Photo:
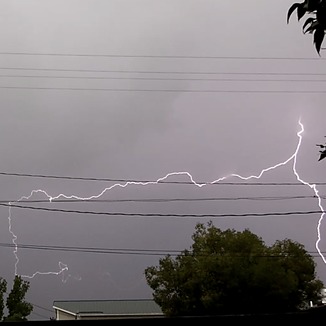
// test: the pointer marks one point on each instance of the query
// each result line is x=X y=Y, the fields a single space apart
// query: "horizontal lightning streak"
x=292 y=158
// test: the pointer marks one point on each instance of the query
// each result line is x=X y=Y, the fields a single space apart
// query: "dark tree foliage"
x=322 y=151
x=234 y=272
x=18 y=308
x=315 y=24
x=3 y=290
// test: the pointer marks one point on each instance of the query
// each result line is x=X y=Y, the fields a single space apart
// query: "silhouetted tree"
x=3 y=290
x=234 y=272
x=18 y=308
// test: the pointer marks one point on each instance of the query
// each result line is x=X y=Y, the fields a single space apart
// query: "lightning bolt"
x=291 y=160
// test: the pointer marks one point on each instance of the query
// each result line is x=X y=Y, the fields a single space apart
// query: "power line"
x=161 y=200
x=128 y=251
x=47 y=176
x=41 y=307
x=70 y=177
x=138 y=90
x=119 y=251
x=167 y=72
x=165 y=79
x=166 y=90
x=152 y=56
x=164 y=215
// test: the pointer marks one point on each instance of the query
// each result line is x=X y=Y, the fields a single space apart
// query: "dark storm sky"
x=135 y=90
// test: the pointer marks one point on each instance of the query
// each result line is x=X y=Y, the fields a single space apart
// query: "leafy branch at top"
x=315 y=24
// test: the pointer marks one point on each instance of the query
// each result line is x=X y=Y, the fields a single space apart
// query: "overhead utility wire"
x=153 y=56
x=108 y=89
x=164 y=79
x=161 y=200
x=167 y=72
x=165 y=90
x=148 y=252
x=163 y=215
x=48 y=176
x=40 y=307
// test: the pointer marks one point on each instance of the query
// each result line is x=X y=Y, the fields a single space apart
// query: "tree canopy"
x=18 y=308
x=315 y=24
x=234 y=272
x=3 y=290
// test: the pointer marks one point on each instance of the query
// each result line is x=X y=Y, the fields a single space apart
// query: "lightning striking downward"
x=291 y=160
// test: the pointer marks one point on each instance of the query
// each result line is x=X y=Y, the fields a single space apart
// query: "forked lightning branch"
x=292 y=160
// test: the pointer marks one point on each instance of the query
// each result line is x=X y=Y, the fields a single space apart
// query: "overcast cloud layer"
x=129 y=121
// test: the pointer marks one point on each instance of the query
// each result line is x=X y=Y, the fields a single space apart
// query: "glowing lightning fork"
x=292 y=158
x=310 y=185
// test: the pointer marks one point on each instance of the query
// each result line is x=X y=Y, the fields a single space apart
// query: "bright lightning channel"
x=64 y=268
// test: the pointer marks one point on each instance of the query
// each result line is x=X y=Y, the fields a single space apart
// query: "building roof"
x=109 y=307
